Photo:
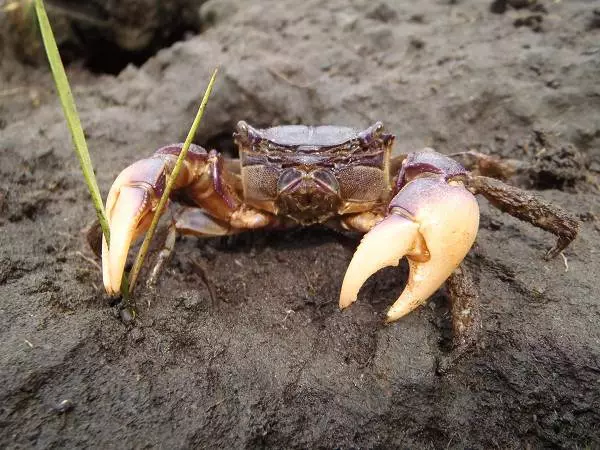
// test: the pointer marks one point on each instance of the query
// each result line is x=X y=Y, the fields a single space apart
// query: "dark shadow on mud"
x=379 y=291
x=105 y=36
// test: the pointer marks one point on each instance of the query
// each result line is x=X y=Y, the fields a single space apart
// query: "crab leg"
x=134 y=197
x=432 y=220
x=190 y=221
x=530 y=208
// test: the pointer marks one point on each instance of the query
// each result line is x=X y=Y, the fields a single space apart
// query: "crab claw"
x=433 y=223
x=130 y=208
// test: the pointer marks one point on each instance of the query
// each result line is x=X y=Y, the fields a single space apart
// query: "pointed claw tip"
x=113 y=286
x=348 y=295
x=129 y=217
x=381 y=247
x=394 y=315
x=345 y=302
x=112 y=293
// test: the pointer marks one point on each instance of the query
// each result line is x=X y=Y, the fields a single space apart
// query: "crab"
x=420 y=205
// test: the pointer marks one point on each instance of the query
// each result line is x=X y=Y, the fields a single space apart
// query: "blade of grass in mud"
x=70 y=111
x=139 y=260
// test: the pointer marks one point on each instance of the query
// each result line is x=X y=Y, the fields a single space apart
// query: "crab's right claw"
x=431 y=222
x=130 y=207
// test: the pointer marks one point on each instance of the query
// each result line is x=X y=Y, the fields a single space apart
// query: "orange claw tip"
x=406 y=304
x=127 y=218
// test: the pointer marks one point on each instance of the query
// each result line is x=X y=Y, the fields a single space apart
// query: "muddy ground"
x=273 y=362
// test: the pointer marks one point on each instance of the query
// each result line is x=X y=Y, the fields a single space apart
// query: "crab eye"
x=245 y=134
x=288 y=179
x=367 y=136
x=242 y=128
x=326 y=180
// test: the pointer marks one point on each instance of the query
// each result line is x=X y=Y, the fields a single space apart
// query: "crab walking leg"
x=189 y=221
x=135 y=194
x=163 y=255
x=529 y=208
x=490 y=166
x=466 y=318
x=464 y=305
x=430 y=221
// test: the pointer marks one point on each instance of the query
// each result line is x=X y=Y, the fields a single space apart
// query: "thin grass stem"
x=139 y=260
x=70 y=110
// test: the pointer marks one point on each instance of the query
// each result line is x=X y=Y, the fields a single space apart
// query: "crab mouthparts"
x=308 y=196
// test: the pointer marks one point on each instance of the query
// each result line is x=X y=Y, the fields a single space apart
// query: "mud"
x=272 y=362
x=101 y=34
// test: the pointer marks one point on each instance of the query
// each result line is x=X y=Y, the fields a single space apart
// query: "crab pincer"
x=202 y=182
x=130 y=205
x=135 y=194
x=432 y=220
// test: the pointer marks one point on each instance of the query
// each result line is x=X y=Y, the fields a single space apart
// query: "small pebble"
x=416 y=43
x=382 y=13
x=64 y=406
x=417 y=18
x=127 y=315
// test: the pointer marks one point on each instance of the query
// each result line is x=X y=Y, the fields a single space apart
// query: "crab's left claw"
x=433 y=223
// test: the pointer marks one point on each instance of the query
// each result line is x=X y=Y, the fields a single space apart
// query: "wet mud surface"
x=271 y=361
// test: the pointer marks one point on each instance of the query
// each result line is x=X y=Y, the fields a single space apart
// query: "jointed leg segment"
x=465 y=315
x=193 y=221
x=528 y=207
x=464 y=307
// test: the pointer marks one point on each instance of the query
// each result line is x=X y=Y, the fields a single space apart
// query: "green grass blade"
x=137 y=265
x=70 y=110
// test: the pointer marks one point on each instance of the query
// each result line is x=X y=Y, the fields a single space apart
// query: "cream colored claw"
x=434 y=229
x=129 y=208
x=127 y=220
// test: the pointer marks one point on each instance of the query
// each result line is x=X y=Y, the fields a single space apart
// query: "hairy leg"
x=528 y=207
x=192 y=221
x=465 y=313
x=187 y=221
x=490 y=166
x=464 y=305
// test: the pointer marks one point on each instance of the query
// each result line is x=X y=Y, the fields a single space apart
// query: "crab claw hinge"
x=431 y=221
